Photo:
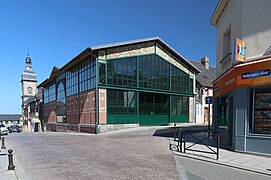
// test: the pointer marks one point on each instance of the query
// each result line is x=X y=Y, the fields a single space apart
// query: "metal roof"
x=10 y=117
x=90 y=50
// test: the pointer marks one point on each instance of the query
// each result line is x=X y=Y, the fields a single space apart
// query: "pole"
x=3 y=143
x=209 y=123
x=218 y=140
x=174 y=135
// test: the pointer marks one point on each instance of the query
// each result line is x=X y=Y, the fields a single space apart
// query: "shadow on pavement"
x=193 y=137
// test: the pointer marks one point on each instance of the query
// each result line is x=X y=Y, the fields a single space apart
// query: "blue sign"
x=255 y=74
x=208 y=100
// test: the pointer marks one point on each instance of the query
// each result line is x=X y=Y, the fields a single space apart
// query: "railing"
x=211 y=135
x=226 y=58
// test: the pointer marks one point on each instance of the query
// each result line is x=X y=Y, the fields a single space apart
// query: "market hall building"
x=140 y=82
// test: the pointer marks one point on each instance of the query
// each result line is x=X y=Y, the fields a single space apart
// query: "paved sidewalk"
x=244 y=161
x=5 y=174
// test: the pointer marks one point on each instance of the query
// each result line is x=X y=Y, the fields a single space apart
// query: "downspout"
x=194 y=99
x=97 y=96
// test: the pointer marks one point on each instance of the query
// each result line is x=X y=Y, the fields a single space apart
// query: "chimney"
x=205 y=62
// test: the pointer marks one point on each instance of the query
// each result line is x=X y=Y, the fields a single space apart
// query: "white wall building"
x=248 y=20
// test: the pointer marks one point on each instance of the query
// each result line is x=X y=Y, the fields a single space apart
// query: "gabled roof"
x=93 y=49
x=54 y=72
x=206 y=77
x=220 y=7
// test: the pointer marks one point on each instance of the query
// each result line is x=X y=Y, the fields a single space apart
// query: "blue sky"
x=55 y=31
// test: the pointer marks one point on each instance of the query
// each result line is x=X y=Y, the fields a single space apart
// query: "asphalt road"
x=74 y=156
x=199 y=170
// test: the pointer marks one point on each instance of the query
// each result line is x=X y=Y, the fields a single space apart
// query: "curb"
x=221 y=163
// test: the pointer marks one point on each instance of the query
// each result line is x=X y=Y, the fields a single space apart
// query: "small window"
x=227 y=42
x=30 y=90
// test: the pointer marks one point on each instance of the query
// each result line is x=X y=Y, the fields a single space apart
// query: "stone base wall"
x=90 y=128
x=64 y=127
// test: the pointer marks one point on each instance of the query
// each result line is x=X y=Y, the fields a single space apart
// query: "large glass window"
x=122 y=72
x=50 y=94
x=87 y=74
x=61 y=102
x=72 y=81
x=260 y=122
x=81 y=77
x=154 y=72
x=179 y=105
x=121 y=102
x=146 y=72
x=179 y=81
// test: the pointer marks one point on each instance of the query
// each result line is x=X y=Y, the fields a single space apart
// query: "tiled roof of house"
x=206 y=76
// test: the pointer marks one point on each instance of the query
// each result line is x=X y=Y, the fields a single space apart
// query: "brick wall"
x=88 y=107
x=50 y=112
x=72 y=109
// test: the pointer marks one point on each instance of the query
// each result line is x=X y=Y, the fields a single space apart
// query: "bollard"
x=218 y=141
x=10 y=160
x=174 y=135
x=3 y=143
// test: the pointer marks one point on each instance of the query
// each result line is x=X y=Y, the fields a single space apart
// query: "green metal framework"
x=145 y=89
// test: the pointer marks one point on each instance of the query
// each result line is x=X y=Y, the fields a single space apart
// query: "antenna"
x=27 y=51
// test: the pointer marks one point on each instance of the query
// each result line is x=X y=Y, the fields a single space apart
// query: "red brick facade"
x=72 y=109
x=81 y=113
x=87 y=107
x=50 y=112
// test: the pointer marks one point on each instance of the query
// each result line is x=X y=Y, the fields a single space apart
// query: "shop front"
x=242 y=106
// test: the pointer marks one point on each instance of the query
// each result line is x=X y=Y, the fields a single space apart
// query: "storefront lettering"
x=232 y=80
x=256 y=74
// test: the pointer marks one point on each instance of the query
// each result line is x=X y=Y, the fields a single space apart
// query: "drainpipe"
x=97 y=96
x=194 y=99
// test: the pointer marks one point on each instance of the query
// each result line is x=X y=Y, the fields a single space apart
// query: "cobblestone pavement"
x=129 y=155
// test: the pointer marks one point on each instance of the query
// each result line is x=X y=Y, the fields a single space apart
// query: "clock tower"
x=29 y=83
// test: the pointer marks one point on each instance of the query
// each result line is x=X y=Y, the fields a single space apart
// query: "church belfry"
x=29 y=83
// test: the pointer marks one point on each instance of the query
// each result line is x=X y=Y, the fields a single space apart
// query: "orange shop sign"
x=243 y=75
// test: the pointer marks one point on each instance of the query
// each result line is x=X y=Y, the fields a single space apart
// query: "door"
x=153 y=109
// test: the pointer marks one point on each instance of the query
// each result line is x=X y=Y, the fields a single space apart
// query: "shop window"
x=260 y=121
x=223 y=112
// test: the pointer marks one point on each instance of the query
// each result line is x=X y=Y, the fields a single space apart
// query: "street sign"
x=208 y=100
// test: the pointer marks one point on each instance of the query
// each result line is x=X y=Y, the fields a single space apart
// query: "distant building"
x=120 y=85
x=242 y=90
x=9 y=119
x=30 y=100
x=204 y=88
